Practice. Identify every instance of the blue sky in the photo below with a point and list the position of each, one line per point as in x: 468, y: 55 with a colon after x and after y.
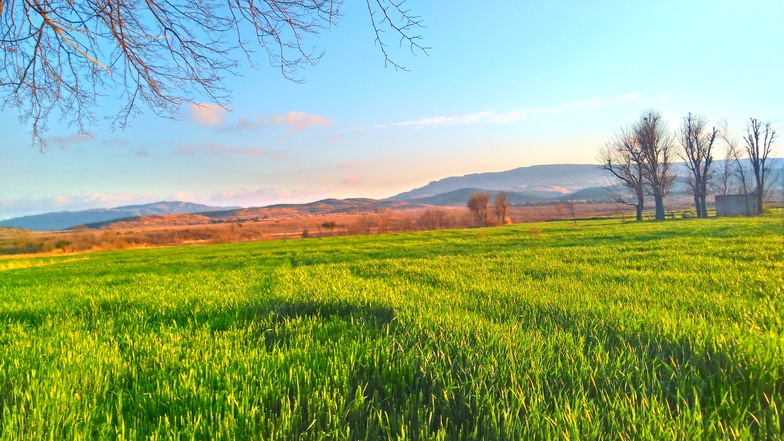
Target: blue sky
x: 505, y: 85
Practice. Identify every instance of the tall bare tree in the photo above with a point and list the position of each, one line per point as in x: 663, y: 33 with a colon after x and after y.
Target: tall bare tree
x: 477, y: 205
x: 500, y: 204
x: 697, y: 144
x: 62, y: 55
x: 657, y: 151
x: 759, y: 137
x: 723, y: 184
x: 734, y: 156
x: 622, y: 158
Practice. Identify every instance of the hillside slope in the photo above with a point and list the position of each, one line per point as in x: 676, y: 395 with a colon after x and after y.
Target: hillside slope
x: 67, y: 219
x: 547, y: 181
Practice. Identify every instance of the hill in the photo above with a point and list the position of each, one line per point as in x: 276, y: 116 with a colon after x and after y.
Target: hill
x: 458, y: 198
x: 67, y: 219
x: 546, y: 181
x: 326, y: 206
x: 589, y: 194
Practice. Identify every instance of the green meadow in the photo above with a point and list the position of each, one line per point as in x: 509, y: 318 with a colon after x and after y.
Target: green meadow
x: 655, y: 330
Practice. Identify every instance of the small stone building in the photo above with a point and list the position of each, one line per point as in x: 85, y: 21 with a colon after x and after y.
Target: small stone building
x: 736, y: 205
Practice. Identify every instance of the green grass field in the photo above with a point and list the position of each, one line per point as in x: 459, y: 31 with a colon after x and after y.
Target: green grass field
x: 671, y: 330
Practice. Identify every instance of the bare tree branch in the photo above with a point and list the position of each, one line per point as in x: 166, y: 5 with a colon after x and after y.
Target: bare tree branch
x: 697, y: 145
x: 477, y: 205
x: 759, y: 138
x: 405, y: 27
x: 657, y: 151
x: 62, y: 55
x: 622, y: 159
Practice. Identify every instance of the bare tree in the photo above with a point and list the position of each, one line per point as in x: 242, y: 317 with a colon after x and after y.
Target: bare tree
x: 758, y: 140
x: 734, y: 155
x: 723, y: 184
x: 500, y: 204
x: 571, y: 208
x: 657, y: 152
x: 63, y: 56
x: 622, y: 158
x: 330, y: 226
x: 697, y: 145
x: 433, y: 219
x: 477, y: 205
x: 558, y: 209
x: 384, y: 221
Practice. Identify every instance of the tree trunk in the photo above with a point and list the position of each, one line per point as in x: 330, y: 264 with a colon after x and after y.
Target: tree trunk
x: 697, y: 205
x: 760, y: 191
x: 659, y: 201
x: 640, y: 206
x: 703, y: 206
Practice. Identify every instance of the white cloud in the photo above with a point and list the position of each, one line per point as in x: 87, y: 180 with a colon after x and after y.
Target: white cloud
x: 491, y: 117
x: 300, y: 120
x: 266, y: 196
x: 207, y: 114
x: 293, y: 121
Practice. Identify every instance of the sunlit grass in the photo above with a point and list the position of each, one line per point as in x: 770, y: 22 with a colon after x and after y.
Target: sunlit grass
x: 670, y: 330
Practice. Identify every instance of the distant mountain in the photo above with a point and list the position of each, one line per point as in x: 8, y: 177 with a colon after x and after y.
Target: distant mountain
x: 67, y: 219
x: 545, y: 181
x: 601, y: 194
x: 339, y: 205
x: 458, y: 198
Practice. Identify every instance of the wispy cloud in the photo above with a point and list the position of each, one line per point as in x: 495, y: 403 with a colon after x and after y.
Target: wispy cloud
x: 67, y: 142
x: 125, y: 143
x: 492, y: 117
x: 443, y: 120
x: 342, y: 166
x: 215, y: 148
x: 293, y: 122
x: 141, y: 152
x: 627, y: 97
x: 265, y: 196
x: 350, y: 181
x: 207, y: 114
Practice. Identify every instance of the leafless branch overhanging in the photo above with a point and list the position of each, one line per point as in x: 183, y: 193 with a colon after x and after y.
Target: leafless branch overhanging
x: 63, y: 55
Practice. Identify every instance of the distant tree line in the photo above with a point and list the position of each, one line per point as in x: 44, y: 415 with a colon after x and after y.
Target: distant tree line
x: 478, y: 207
x: 639, y: 159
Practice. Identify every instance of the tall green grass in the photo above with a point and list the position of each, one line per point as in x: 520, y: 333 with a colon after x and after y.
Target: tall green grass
x: 670, y: 330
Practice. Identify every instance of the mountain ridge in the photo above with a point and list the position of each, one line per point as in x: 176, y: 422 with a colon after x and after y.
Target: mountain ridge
x: 523, y: 185
x: 67, y: 219
x: 548, y: 180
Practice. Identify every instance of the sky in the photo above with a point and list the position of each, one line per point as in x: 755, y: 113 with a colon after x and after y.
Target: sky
x: 507, y: 84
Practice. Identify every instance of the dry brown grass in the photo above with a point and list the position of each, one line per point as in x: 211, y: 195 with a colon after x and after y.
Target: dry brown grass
x: 175, y: 230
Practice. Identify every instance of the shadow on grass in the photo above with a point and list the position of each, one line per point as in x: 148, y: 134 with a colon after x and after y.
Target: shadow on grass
x: 689, y: 372
x: 433, y: 386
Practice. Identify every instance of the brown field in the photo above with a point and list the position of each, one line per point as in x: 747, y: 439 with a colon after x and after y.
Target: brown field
x: 265, y: 224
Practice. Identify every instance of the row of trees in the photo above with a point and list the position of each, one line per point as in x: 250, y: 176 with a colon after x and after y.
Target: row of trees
x: 478, y: 206
x: 640, y: 159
